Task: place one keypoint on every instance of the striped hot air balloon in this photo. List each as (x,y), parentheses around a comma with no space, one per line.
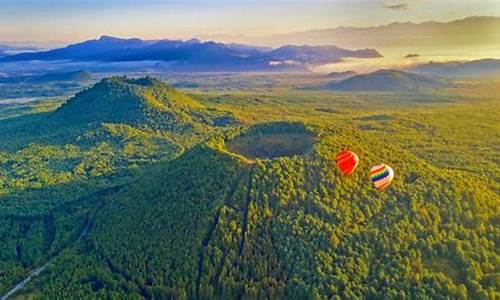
(347,161)
(381,176)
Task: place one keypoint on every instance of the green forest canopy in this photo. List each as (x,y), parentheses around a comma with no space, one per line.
(141,207)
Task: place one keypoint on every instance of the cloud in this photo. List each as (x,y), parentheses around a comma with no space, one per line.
(398,6)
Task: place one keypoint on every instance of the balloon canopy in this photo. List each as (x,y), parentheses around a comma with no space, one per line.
(347,161)
(381,176)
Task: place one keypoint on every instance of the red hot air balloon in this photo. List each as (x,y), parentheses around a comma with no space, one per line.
(347,161)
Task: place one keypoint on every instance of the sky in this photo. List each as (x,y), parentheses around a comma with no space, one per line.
(64,21)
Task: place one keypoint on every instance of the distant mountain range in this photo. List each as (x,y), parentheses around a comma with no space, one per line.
(466,32)
(6,49)
(196,54)
(79,75)
(340,75)
(75,76)
(386,80)
(475,68)
(317,55)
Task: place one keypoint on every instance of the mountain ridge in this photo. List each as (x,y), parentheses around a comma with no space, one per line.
(78,75)
(383,37)
(476,68)
(196,53)
(386,80)
(457,21)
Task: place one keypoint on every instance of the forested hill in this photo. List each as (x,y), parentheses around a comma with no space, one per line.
(117,105)
(139,102)
(387,80)
(57,166)
(225,221)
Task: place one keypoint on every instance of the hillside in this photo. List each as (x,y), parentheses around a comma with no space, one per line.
(485,68)
(318,55)
(340,75)
(79,75)
(138,102)
(386,80)
(142,112)
(290,226)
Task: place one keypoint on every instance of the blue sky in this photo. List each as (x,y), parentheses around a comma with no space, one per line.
(74,20)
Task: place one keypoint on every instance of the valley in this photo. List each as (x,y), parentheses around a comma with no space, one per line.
(225,186)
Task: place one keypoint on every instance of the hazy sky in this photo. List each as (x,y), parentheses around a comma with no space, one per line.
(75,20)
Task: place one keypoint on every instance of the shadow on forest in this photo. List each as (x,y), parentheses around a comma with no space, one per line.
(20,131)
